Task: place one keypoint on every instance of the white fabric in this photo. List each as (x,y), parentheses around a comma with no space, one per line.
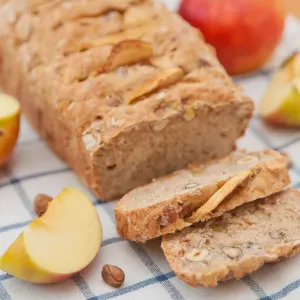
(34,169)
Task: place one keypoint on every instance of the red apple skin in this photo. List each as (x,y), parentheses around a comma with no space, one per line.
(245,33)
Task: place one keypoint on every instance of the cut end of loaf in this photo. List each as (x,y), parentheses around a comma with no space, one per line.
(148,151)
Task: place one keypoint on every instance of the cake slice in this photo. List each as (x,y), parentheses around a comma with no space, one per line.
(199,193)
(237,243)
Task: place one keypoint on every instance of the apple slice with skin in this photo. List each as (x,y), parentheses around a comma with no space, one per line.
(58,244)
(281,101)
(9,125)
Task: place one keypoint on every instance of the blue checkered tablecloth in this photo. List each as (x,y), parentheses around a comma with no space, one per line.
(34,169)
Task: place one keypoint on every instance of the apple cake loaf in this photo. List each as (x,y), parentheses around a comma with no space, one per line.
(237,243)
(199,193)
(123,90)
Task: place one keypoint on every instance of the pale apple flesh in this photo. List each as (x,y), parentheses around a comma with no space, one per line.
(18,263)
(59,244)
(281,101)
(9,126)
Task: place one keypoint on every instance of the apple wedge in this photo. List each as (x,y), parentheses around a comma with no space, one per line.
(127,53)
(9,125)
(58,244)
(114,39)
(281,101)
(162,80)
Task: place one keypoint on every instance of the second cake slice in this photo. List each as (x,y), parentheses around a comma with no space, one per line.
(199,193)
(237,243)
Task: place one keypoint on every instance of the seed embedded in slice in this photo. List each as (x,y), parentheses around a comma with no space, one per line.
(197,255)
(233,252)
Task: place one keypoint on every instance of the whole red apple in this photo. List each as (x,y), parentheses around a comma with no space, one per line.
(245,33)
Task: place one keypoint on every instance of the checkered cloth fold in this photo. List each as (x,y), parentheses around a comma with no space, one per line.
(34,169)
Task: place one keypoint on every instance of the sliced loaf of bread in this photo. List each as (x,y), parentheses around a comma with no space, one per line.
(237,243)
(199,193)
